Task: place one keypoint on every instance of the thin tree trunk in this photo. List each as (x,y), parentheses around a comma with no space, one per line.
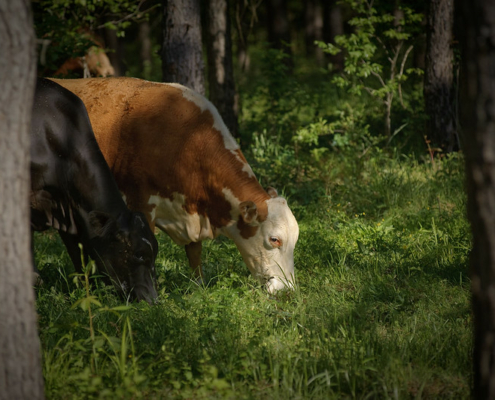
(388,116)
(439,75)
(20,359)
(220,69)
(313,28)
(477,116)
(182,52)
(145,53)
(333,25)
(278,28)
(116,53)
(246,17)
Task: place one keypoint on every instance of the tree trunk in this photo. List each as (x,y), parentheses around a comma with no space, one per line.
(313,28)
(116,53)
(182,52)
(439,75)
(145,52)
(333,25)
(20,358)
(477,116)
(220,70)
(246,17)
(278,28)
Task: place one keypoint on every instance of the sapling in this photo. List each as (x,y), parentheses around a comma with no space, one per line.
(376,54)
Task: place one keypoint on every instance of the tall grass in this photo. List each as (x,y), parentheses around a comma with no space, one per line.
(381,309)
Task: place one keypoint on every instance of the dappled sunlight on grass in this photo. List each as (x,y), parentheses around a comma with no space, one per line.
(381,308)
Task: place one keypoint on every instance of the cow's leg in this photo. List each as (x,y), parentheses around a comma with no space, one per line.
(72,245)
(193,252)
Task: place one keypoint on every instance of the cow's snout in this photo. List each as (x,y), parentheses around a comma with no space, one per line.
(147,293)
(276,284)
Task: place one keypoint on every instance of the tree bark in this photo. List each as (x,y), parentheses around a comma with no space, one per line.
(116,55)
(278,28)
(439,75)
(20,358)
(145,51)
(477,116)
(220,69)
(333,25)
(182,52)
(313,28)
(246,18)
(116,49)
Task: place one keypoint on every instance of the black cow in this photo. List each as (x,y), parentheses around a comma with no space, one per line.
(73,191)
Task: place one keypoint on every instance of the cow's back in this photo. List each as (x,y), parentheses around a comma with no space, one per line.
(163,139)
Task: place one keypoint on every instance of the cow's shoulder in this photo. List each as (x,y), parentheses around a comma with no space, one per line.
(60,119)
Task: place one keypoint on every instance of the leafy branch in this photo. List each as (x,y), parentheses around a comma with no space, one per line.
(376,50)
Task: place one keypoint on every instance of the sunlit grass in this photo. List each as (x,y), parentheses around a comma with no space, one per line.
(381,309)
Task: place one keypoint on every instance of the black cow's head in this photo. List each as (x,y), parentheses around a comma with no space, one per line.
(125,249)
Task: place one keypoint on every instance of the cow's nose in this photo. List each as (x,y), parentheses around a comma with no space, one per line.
(275,284)
(145,292)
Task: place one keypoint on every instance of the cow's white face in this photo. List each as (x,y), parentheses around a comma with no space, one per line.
(269,253)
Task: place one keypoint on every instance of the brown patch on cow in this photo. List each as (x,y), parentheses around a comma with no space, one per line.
(158,142)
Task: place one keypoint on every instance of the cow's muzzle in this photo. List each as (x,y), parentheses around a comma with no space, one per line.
(276,284)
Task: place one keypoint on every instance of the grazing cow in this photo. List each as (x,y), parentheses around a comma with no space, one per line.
(73,191)
(94,63)
(174,159)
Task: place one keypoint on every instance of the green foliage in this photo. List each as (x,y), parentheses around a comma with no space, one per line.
(68,28)
(376,55)
(301,128)
(275,101)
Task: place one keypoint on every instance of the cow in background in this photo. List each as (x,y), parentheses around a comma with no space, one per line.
(94,63)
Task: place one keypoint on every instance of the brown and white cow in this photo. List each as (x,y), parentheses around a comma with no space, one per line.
(174,160)
(94,63)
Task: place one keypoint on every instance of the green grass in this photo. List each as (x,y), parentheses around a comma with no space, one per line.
(381,309)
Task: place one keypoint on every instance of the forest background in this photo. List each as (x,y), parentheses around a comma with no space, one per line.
(349,109)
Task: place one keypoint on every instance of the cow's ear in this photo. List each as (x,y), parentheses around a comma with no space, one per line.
(100,222)
(248,211)
(272,192)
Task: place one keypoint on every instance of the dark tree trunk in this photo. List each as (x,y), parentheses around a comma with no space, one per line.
(419,50)
(439,75)
(116,53)
(220,70)
(245,17)
(313,28)
(278,27)
(145,52)
(333,25)
(476,34)
(182,52)
(20,358)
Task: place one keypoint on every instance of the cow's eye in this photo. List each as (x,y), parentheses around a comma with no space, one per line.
(275,241)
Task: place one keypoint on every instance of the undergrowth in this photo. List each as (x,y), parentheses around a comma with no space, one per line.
(381,309)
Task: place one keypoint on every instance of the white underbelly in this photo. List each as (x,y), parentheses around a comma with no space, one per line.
(182,227)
